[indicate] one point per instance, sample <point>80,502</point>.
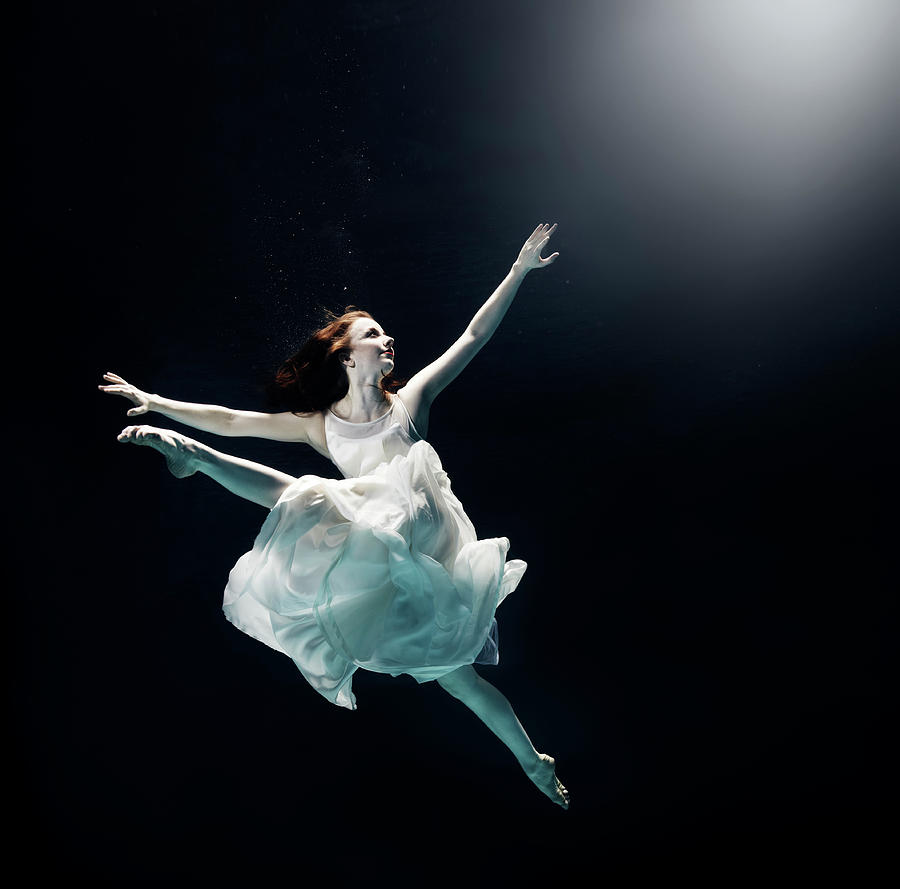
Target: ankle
<point>200,454</point>
<point>536,764</point>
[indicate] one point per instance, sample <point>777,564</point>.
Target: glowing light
<point>785,102</point>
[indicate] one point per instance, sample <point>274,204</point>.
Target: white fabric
<point>381,569</point>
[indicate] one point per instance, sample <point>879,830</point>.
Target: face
<point>370,346</point>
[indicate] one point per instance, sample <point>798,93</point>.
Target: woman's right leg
<point>185,456</point>
<point>492,707</point>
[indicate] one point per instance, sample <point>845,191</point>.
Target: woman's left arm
<point>424,387</point>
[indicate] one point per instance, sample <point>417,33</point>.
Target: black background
<point>683,425</point>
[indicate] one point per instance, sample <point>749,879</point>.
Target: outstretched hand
<point>530,255</point>
<point>140,399</point>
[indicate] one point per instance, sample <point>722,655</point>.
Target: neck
<point>365,400</point>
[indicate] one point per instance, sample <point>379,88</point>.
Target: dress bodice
<point>358,448</point>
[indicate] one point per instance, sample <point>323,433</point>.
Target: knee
<point>462,683</point>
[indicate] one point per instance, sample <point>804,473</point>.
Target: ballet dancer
<point>381,569</point>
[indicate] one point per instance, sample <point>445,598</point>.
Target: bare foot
<point>179,450</point>
<point>544,776</point>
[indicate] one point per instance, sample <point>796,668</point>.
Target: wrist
<point>518,269</point>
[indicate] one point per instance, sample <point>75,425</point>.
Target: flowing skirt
<point>383,572</point>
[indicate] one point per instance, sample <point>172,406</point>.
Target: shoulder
<point>312,422</point>
<point>307,427</point>
<point>417,404</point>
<point>314,429</point>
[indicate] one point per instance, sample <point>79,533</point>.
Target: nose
<point>389,343</point>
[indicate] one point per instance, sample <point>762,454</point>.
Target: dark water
<point>685,426</point>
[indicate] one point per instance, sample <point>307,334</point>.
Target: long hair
<point>314,378</point>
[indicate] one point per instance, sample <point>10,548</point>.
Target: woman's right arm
<point>214,418</point>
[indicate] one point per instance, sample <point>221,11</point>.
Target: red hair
<point>314,378</point>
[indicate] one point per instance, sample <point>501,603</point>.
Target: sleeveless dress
<point>381,569</point>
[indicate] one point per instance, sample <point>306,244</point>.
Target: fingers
<point>531,252</point>
<point>118,386</point>
<point>117,383</point>
<point>125,390</point>
<point>548,231</point>
<point>543,231</point>
<point>114,378</point>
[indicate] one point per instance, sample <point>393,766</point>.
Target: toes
<point>132,433</point>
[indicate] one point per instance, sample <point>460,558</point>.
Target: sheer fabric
<point>381,569</point>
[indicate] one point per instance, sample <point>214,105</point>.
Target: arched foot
<point>543,774</point>
<point>180,451</point>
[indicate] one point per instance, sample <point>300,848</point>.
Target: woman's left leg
<point>185,456</point>
<point>492,707</point>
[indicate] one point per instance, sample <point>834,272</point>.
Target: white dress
<point>381,569</point>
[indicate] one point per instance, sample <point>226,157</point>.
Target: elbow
<point>229,425</point>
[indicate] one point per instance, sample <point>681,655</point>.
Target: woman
<point>382,569</point>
